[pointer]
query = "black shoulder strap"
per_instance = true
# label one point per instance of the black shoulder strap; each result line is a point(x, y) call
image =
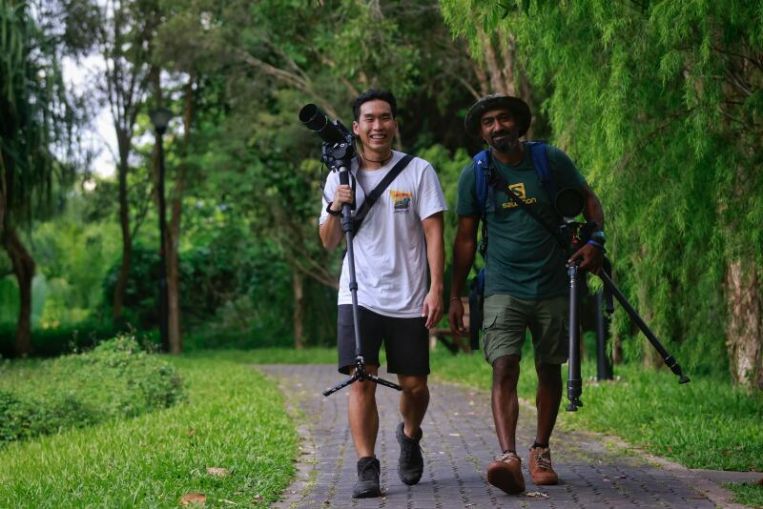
point(378, 190)
point(503, 185)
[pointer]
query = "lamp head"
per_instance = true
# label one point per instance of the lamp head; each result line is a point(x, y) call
point(160, 117)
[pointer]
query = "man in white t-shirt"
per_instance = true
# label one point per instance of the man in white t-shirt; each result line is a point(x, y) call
point(399, 260)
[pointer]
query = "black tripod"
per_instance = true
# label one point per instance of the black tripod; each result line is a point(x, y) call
point(574, 382)
point(338, 151)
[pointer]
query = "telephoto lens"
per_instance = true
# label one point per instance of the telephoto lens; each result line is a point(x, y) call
point(316, 120)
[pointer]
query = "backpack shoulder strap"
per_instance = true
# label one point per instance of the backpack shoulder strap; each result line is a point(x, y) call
point(481, 178)
point(378, 190)
point(539, 154)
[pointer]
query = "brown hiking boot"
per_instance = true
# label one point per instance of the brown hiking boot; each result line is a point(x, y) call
point(505, 473)
point(541, 470)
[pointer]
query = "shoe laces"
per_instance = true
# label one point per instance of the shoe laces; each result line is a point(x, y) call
point(508, 456)
point(409, 449)
point(368, 470)
point(542, 458)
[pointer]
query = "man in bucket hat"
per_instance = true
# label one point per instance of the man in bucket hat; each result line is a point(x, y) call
point(525, 278)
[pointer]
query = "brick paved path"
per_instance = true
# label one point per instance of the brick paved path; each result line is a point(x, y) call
point(459, 441)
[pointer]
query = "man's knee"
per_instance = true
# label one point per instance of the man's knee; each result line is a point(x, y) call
point(413, 385)
point(506, 368)
point(548, 370)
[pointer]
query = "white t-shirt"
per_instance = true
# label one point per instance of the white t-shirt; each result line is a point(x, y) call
point(390, 248)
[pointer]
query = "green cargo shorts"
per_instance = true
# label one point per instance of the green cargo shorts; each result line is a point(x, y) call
point(506, 320)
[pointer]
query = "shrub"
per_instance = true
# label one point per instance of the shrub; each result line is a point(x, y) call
point(117, 379)
point(65, 339)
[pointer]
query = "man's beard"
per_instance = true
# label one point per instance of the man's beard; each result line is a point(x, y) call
point(508, 143)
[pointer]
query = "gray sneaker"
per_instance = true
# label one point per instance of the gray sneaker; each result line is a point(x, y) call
point(411, 464)
point(367, 485)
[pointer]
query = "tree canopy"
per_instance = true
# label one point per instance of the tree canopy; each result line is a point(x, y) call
point(658, 102)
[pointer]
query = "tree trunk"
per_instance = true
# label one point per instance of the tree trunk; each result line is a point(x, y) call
point(744, 331)
point(123, 141)
point(492, 63)
point(173, 234)
point(482, 80)
point(298, 286)
point(23, 268)
point(507, 48)
point(651, 357)
point(501, 71)
point(173, 282)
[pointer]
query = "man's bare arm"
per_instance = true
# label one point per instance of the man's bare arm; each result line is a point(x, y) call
point(331, 230)
point(433, 303)
point(592, 210)
point(464, 247)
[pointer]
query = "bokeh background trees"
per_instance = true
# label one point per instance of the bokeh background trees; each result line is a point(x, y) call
point(658, 102)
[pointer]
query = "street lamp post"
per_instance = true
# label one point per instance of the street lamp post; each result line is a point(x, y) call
point(160, 117)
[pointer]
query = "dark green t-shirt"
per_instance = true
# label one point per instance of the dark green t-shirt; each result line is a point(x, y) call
point(523, 259)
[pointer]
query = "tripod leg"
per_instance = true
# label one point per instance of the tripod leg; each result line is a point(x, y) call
point(574, 382)
point(341, 385)
point(385, 383)
point(603, 361)
point(666, 357)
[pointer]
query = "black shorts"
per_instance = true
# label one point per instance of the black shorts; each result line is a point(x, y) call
point(406, 341)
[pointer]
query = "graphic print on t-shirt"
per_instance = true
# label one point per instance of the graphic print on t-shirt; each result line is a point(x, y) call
point(519, 190)
point(401, 200)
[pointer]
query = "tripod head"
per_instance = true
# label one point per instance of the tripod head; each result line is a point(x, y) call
point(569, 204)
point(338, 142)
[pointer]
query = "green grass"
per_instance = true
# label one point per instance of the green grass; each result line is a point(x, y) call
point(748, 494)
point(703, 424)
point(233, 418)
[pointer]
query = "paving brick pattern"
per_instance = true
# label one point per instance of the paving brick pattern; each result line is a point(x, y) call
point(459, 441)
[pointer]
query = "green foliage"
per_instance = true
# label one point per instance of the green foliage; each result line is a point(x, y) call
point(448, 167)
point(142, 291)
point(63, 339)
point(235, 292)
point(264, 61)
point(36, 115)
point(73, 255)
point(232, 418)
point(115, 380)
point(660, 107)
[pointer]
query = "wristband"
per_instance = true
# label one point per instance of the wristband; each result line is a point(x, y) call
point(331, 211)
point(455, 298)
point(599, 237)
